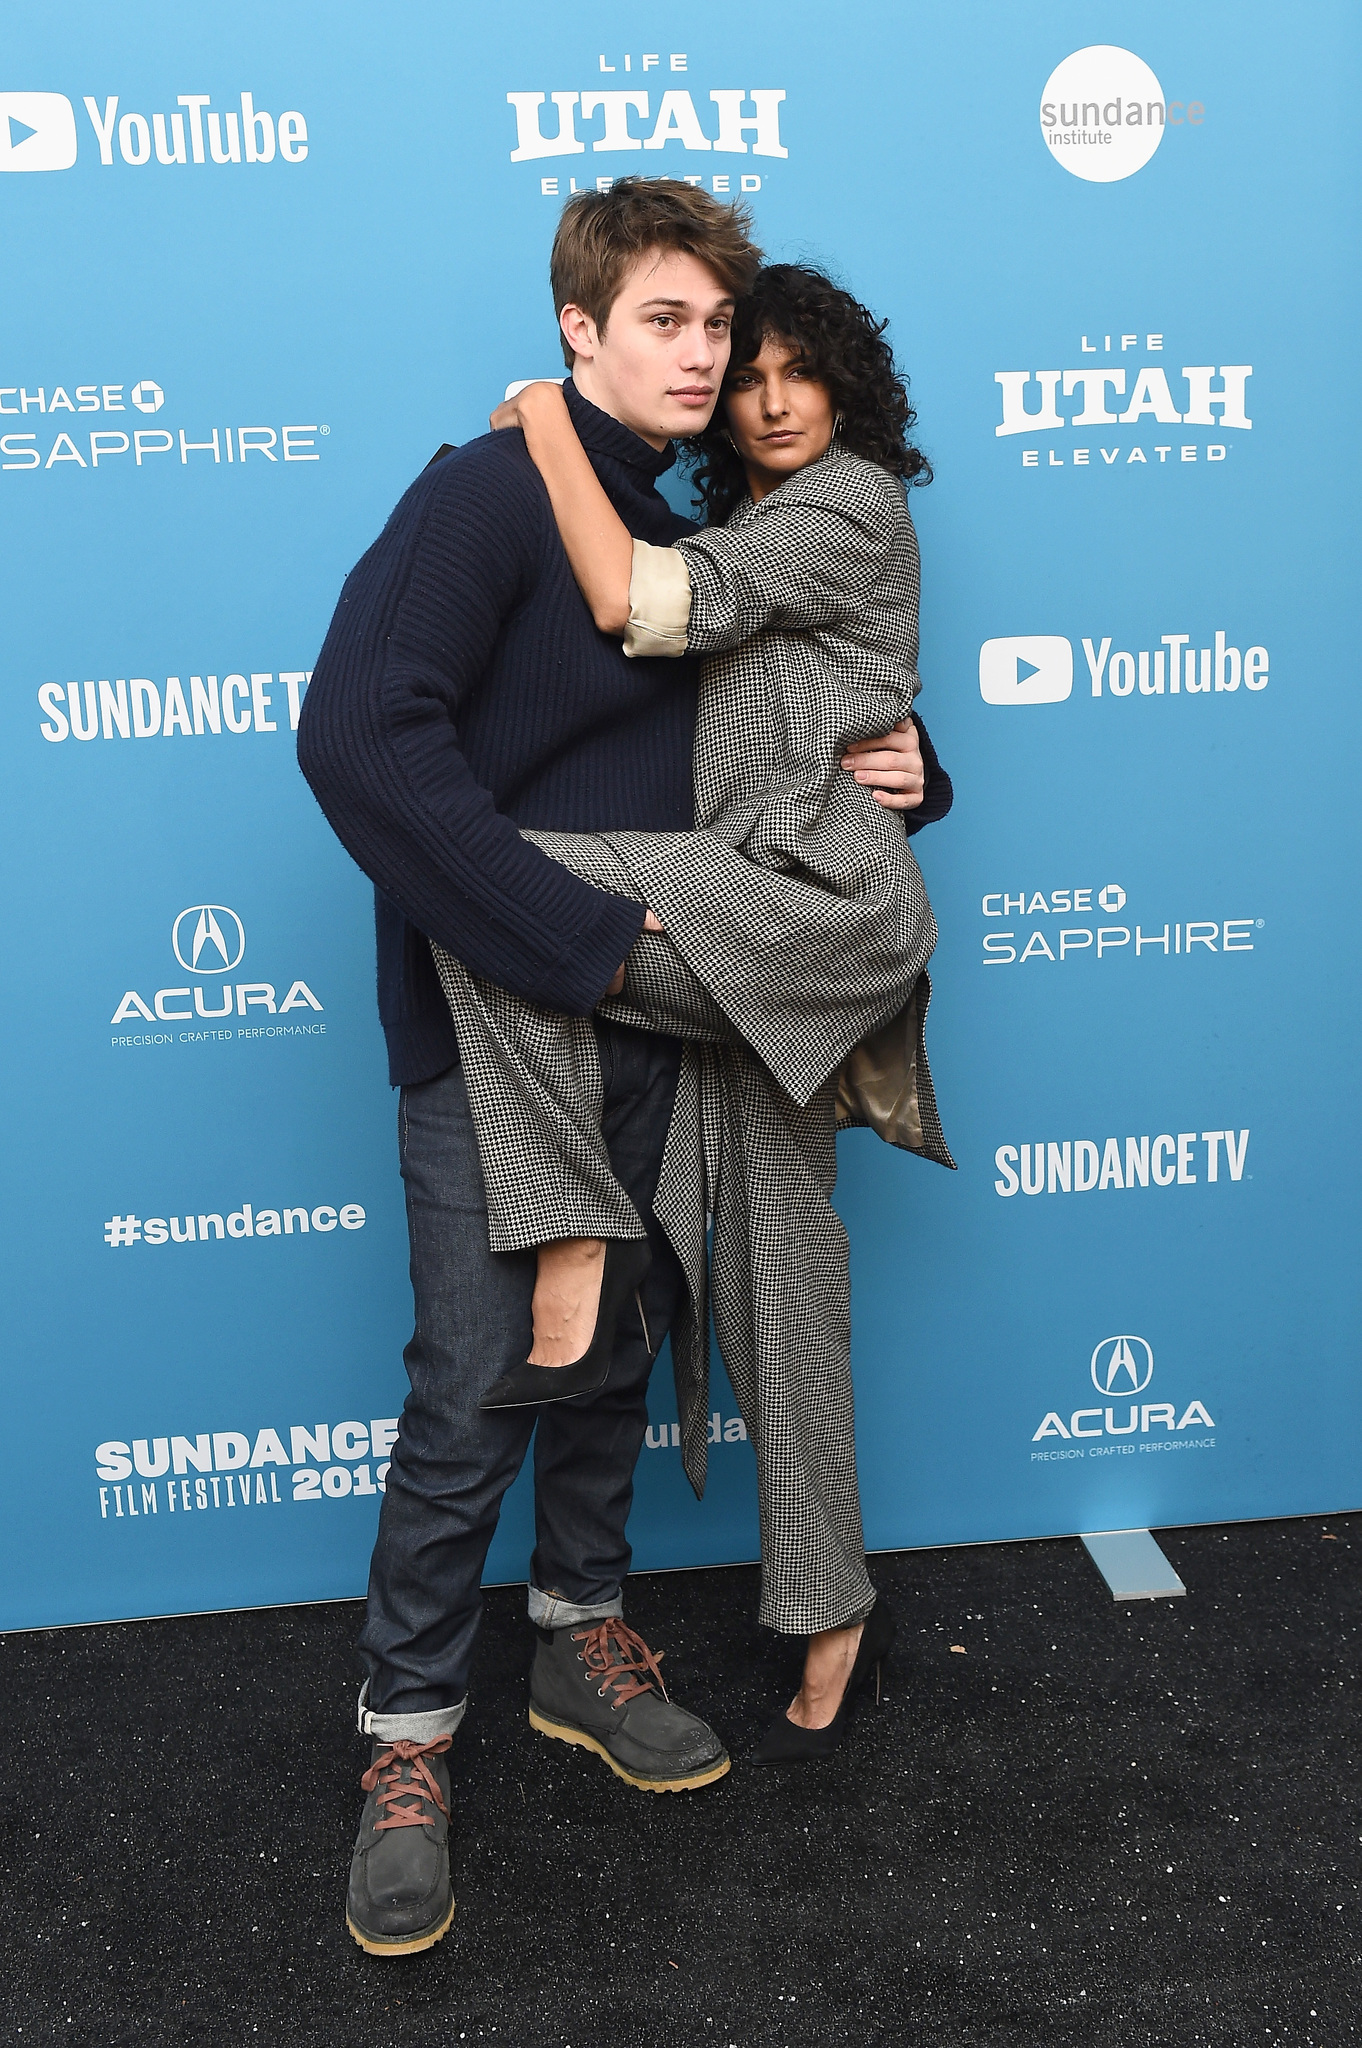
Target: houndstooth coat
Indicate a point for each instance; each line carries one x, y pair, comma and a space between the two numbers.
797, 928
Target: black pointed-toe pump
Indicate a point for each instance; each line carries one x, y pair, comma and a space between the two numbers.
627, 1260
786, 1743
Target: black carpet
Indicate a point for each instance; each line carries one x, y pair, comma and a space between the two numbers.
1099, 1825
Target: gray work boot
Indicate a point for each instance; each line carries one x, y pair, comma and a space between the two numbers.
400, 1898
600, 1686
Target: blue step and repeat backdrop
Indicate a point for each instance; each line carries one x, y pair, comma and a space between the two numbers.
259, 263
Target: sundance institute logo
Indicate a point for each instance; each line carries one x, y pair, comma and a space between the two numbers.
1103, 113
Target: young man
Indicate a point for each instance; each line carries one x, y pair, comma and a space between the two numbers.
463, 692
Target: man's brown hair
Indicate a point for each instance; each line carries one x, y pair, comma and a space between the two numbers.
601, 234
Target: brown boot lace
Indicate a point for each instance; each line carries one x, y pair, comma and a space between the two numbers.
387, 1770
621, 1660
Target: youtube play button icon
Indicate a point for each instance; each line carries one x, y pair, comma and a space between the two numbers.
1029, 668
37, 131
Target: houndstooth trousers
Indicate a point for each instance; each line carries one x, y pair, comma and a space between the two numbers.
796, 923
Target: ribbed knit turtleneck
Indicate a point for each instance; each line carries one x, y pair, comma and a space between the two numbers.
464, 691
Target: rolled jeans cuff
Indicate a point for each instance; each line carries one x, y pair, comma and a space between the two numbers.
426, 1727
547, 1610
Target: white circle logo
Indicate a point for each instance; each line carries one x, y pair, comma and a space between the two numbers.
147, 397
1122, 1365
1102, 113
208, 939
1113, 897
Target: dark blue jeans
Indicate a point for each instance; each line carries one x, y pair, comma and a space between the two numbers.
452, 1464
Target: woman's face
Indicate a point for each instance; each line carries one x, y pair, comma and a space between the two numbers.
780, 417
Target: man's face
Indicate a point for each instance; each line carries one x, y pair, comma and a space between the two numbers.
658, 366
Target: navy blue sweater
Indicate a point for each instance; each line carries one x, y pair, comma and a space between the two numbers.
464, 691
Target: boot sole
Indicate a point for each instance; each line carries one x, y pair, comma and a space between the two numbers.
411, 1947
562, 1731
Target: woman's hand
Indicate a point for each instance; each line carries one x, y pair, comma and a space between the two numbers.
528, 405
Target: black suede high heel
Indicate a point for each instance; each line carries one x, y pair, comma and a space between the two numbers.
786, 1743
627, 1260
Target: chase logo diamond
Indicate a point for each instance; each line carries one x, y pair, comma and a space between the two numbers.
1026, 668
37, 131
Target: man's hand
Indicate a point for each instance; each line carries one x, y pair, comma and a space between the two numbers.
650, 924
891, 768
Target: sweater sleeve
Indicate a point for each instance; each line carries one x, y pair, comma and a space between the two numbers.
938, 791
379, 742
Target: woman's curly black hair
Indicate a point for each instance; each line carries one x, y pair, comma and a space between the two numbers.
843, 345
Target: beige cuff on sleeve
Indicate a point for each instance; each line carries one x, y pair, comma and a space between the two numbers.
659, 602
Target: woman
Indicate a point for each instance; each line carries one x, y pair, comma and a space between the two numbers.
787, 931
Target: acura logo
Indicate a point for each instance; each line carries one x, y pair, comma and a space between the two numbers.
1122, 1365
208, 939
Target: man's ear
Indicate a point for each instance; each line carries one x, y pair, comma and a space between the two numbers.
579, 331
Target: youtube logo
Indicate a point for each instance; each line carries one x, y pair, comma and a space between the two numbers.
1027, 668
37, 131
